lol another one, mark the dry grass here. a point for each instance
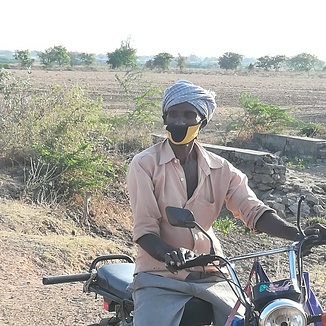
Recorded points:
(52, 240)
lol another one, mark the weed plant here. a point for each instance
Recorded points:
(298, 163)
(224, 224)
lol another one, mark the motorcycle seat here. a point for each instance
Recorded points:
(115, 278)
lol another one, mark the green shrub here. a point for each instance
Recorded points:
(4, 66)
(64, 141)
(258, 117)
(58, 135)
(131, 130)
(311, 129)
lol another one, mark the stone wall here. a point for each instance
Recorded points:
(264, 170)
(278, 187)
(291, 146)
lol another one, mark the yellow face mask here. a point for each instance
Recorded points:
(180, 135)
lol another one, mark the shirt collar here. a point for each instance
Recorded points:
(167, 153)
(206, 160)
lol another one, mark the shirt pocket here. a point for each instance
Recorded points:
(205, 212)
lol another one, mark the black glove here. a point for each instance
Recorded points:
(316, 229)
(177, 258)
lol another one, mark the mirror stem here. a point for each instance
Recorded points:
(211, 251)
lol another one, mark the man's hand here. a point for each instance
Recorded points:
(177, 258)
(317, 229)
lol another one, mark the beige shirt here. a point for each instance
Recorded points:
(156, 179)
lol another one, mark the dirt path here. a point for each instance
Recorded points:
(26, 301)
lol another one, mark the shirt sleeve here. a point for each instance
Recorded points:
(146, 213)
(242, 201)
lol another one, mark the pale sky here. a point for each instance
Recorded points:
(206, 28)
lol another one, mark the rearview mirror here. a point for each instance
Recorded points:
(180, 217)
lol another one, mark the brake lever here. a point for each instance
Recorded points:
(316, 238)
(201, 260)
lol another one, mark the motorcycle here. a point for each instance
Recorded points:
(285, 302)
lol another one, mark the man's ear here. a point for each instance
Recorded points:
(203, 124)
(164, 118)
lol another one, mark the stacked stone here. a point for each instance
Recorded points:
(278, 187)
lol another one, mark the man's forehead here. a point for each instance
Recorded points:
(184, 106)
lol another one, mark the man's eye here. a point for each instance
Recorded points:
(173, 114)
(191, 115)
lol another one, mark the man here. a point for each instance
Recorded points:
(180, 172)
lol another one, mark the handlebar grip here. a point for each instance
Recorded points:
(66, 278)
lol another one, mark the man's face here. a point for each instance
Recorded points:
(183, 114)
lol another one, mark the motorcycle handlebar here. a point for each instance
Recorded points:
(66, 278)
(205, 259)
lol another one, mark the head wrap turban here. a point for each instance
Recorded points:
(184, 91)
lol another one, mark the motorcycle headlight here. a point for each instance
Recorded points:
(283, 312)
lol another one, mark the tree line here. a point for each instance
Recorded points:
(126, 57)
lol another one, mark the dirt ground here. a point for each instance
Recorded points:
(37, 241)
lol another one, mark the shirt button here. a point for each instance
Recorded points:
(182, 179)
(175, 161)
